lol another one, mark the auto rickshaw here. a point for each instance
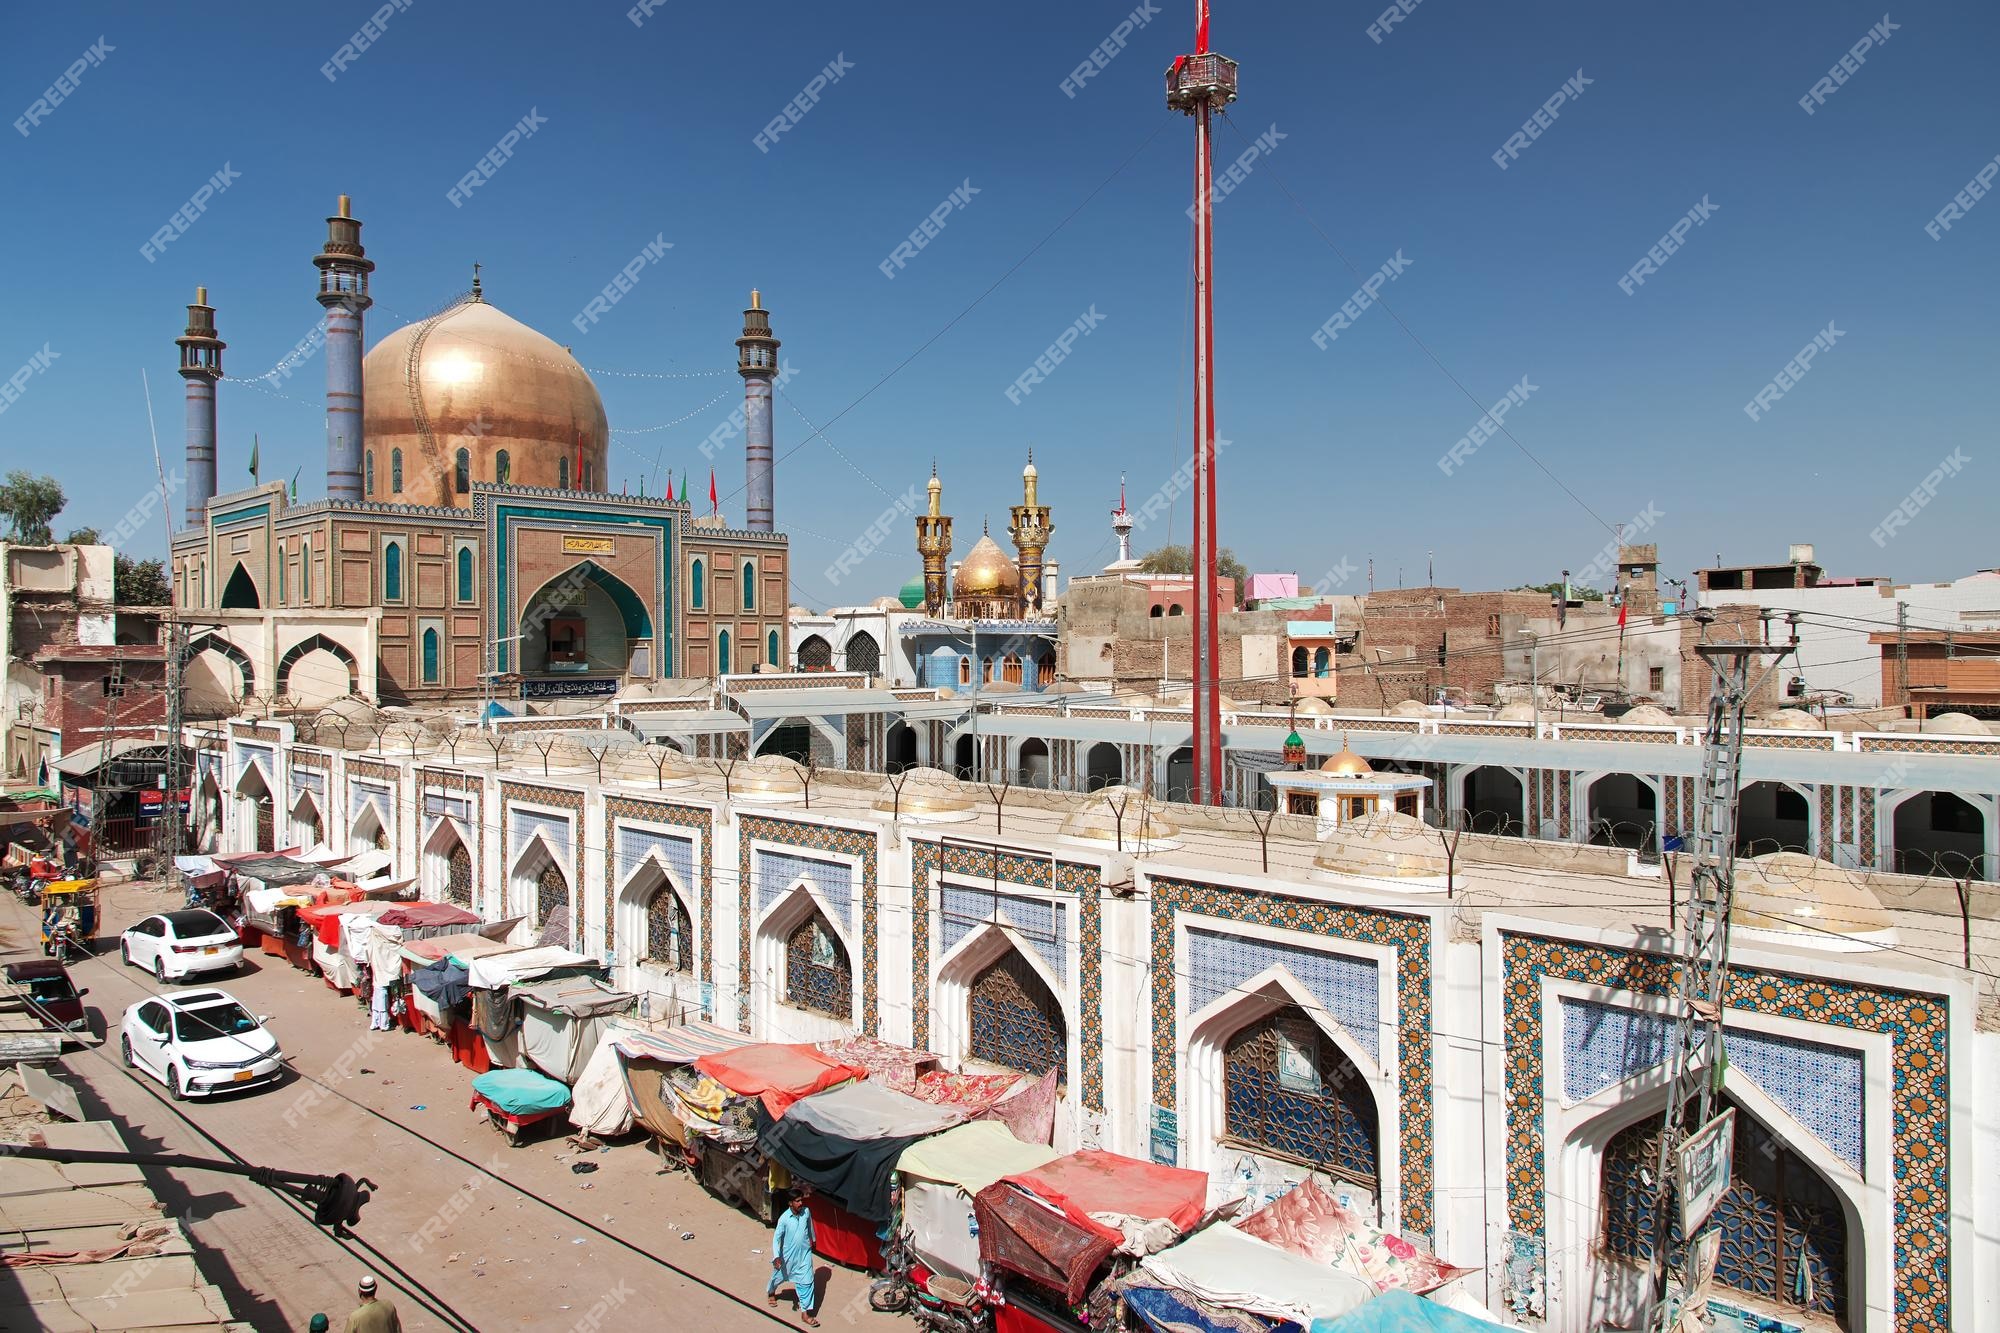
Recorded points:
(69, 917)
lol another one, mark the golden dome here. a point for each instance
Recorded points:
(1346, 764)
(986, 572)
(486, 382)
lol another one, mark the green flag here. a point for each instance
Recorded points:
(253, 458)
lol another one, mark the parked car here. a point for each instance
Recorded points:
(181, 944)
(58, 1003)
(200, 1043)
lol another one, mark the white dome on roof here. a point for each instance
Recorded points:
(1384, 845)
(1409, 708)
(1121, 817)
(1790, 719)
(1810, 903)
(1956, 724)
(1646, 715)
(928, 795)
(1313, 708)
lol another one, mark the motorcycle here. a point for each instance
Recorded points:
(938, 1303)
(66, 946)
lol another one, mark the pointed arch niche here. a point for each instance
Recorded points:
(1319, 1083)
(994, 968)
(448, 875)
(800, 947)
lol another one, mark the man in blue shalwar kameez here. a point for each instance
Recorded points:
(792, 1257)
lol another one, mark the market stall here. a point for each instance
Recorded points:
(1225, 1279)
(561, 1019)
(1053, 1232)
(493, 978)
(845, 1142)
(715, 1097)
(625, 1080)
(516, 1100)
(440, 991)
(940, 1176)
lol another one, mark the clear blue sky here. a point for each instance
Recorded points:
(1388, 147)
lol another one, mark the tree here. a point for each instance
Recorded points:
(1576, 590)
(84, 537)
(1178, 560)
(29, 503)
(140, 582)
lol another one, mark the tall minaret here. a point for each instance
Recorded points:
(1030, 528)
(343, 289)
(934, 545)
(1121, 525)
(201, 367)
(757, 362)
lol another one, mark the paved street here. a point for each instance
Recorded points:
(500, 1258)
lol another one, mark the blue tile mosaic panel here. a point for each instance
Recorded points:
(1819, 1086)
(526, 823)
(367, 793)
(635, 844)
(776, 872)
(1348, 988)
(1043, 924)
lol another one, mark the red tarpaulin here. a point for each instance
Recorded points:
(844, 1237)
(778, 1074)
(1104, 1182)
(428, 914)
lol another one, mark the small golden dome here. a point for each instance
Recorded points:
(1346, 764)
(987, 572)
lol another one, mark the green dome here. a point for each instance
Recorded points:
(912, 595)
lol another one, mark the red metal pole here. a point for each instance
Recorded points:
(1207, 656)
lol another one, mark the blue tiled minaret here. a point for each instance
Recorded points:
(201, 367)
(757, 363)
(343, 289)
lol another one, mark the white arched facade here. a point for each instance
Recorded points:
(773, 1017)
(677, 994)
(1203, 1089)
(434, 866)
(951, 1008)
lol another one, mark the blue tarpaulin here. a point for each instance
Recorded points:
(1400, 1312)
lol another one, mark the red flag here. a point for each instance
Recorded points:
(670, 486)
(1621, 615)
(714, 505)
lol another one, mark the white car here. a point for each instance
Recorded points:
(200, 1043)
(174, 945)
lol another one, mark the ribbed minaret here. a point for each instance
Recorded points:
(1030, 528)
(934, 545)
(757, 362)
(201, 367)
(343, 289)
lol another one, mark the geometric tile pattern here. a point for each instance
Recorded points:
(635, 845)
(1348, 987)
(777, 872)
(307, 780)
(1818, 1085)
(1077, 878)
(249, 754)
(1918, 1028)
(1409, 936)
(558, 830)
(693, 817)
(1826, 821)
(810, 837)
(1039, 922)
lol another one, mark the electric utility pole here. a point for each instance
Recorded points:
(1701, 955)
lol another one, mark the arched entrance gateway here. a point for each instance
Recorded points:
(585, 621)
(447, 867)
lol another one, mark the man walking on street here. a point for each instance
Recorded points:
(792, 1257)
(373, 1316)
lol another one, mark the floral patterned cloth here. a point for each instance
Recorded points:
(1308, 1221)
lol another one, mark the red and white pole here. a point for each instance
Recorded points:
(1207, 655)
